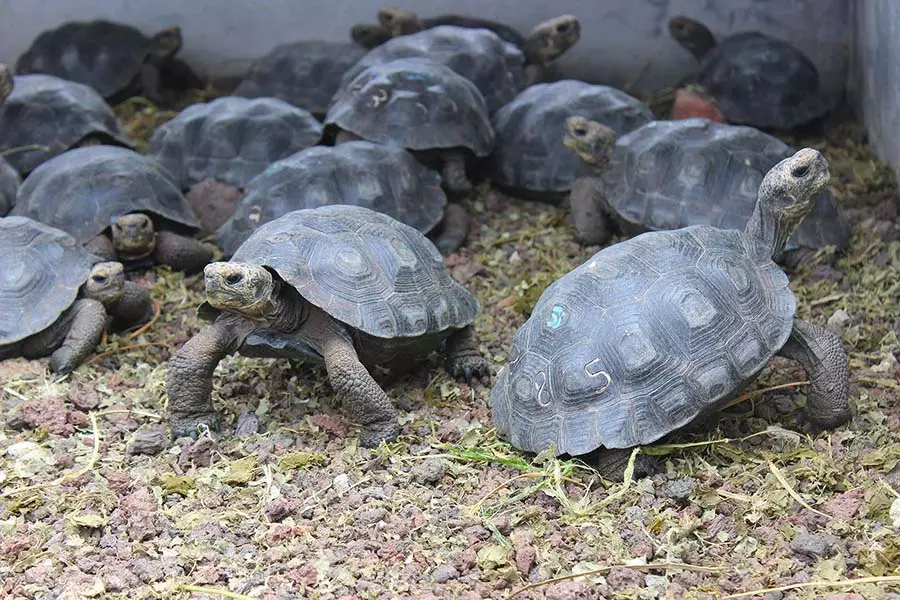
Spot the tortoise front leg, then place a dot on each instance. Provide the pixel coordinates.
(611, 463)
(102, 246)
(86, 322)
(362, 398)
(454, 229)
(133, 308)
(820, 352)
(181, 252)
(189, 381)
(150, 83)
(463, 360)
(592, 225)
(453, 174)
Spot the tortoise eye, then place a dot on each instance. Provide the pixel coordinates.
(233, 278)
(800, 171)
(580, 131)
(100, 279)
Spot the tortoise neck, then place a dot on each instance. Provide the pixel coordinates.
(287, 310)
(769, 229)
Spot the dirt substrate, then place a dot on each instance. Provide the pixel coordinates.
(98, 503)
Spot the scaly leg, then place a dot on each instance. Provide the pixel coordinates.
(102, 246)
(180, 252)
(84, 334)
(464, 361)
(453, 229)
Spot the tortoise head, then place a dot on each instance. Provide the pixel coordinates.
(590, 140)
(549, 40)
(247, 289)
(106, 282)
(6, 82)
(166, 43)
(398, 21)
(694, 36)
(133, 235)
(787, 195)
(369, 36)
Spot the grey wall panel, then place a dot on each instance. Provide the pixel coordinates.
(624, 41)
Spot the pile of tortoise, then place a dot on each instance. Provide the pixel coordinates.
(331, 179)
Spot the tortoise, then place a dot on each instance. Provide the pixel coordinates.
(671, 174)
(754, 78)
(120, 204)
(115, 59)
(418, 104)
(651, 333)
(394, 22)
(529, 159)
(347, 284)
(9, 186)
(306, 74)
(499, 69)
(386, 179)
(56, 297)
(232, 139)
(45, 116)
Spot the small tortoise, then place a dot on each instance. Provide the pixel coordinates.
(120, 204)
(45, 116)
(671, 174)
(394, 22)
(421, 105)
(344, 283)
(115, 59)
(755, 79)
(498, 69)
(232, 140)
(386, 179)
(306, 74)
(654, 332)
(529, 159)
(56, 297)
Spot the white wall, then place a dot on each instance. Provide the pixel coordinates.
(623, 41)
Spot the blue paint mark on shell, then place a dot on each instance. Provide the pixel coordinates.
(557, 316)
(416, 77)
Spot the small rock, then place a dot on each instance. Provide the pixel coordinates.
(196, 454)
(444, 573)
(151, 440)
(845, 596)
(430, 471)
(247, 425)
(784, 404)
(621, 578)
(83, 397)
(838, 320)
(656, 584)
(341, 483)
(370, 516)
(680, 490)
(845, 505)
(278, 509)
(811, 545)
(525, 559)
(565, 590)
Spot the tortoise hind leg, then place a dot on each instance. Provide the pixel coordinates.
(820, 352)
(454, 174)
(454, 229)
(180, 252)
(464, 361)
(611, 463)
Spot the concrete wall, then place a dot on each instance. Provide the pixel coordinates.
(874, 83)
(624, 42)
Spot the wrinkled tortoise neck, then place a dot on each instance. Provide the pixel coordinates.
(287, 310)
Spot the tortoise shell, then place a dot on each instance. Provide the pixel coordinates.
(386, 179)
(83, 191)
(415, 103)
(47, 111)
(306, 74)
(641, 339)
(232, 140)
(101, 54)
(496, 67)
(41, 272)
(762, 81)
(671, 174)
(363, 268)
(9, 186)
(529, 154)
